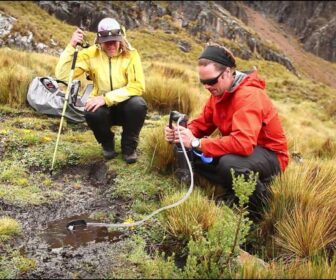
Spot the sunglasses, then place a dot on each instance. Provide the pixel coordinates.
(106, 33)
(212, 81)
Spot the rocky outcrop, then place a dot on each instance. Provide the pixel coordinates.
(314, 22)
(204, 20)
(25, 41)
(235, 8)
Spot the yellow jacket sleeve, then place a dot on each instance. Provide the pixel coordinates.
(63, 66)
(135, 84)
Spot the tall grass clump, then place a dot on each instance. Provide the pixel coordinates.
(166, 94)
(17, 71)
(301, 209)
(158, 151)
(172, 87)
(8, 228)
(317, 268)
(196, 215)
(171, 70)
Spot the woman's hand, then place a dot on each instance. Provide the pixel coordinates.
(77, 37)
(94, 103)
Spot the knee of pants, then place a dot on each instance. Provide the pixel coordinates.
(137, 105)
(99, 115)
(228, 162)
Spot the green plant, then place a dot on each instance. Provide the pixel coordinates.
(14, 265)
(243, 189)
(213, 233)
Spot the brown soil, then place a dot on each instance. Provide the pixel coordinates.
(59, 253)
(306, 63)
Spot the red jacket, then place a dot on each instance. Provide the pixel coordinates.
(246, 117)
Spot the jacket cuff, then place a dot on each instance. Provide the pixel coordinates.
(70, 49)
(107, 100)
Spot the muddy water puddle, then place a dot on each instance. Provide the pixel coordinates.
(57, 235)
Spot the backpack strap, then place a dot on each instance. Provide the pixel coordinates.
(62, 82)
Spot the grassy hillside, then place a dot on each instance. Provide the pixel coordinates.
(297, 236)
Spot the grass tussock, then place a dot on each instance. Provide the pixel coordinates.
(166, 94)
(158, 151)
(171, 70)
(17, 71)
(306, 233)
(8, 228)
(301, 211)
(297, 269)
(192, 217)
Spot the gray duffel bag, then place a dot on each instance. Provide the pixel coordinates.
(45, 96)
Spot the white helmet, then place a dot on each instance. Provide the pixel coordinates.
(109, 30)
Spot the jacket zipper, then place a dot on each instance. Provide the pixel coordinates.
(110, 68)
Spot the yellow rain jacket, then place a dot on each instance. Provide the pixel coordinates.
(117, 78)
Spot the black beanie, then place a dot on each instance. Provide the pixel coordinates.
(218, 55)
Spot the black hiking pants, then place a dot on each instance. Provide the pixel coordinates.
(262, 160)
(129, 114)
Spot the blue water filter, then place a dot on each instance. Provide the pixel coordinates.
(204, 159)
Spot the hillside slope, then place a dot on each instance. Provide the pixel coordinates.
(306, 63)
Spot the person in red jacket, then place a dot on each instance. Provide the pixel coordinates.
(252, 138)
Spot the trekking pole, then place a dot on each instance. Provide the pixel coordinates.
(65, 104)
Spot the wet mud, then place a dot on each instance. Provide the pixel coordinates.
(58, 252)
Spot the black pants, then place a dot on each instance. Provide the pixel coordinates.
(129, 114)
(262, 160)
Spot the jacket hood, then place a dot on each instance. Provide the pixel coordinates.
(250, 78)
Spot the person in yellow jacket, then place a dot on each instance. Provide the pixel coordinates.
(118, 83)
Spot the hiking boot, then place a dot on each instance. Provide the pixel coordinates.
(109, 154)
(108, 151)
(130, 158)
(183, 176)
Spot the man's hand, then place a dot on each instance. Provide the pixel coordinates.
(169, 134)
(186, 136)
(94, 103)
(77, 37)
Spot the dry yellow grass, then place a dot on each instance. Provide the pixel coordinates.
(297, 269)
(309, 129)
(18, 70)
(173, 87)
(8, 227)
(158, 151)
(195, 215)
(301, 211)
